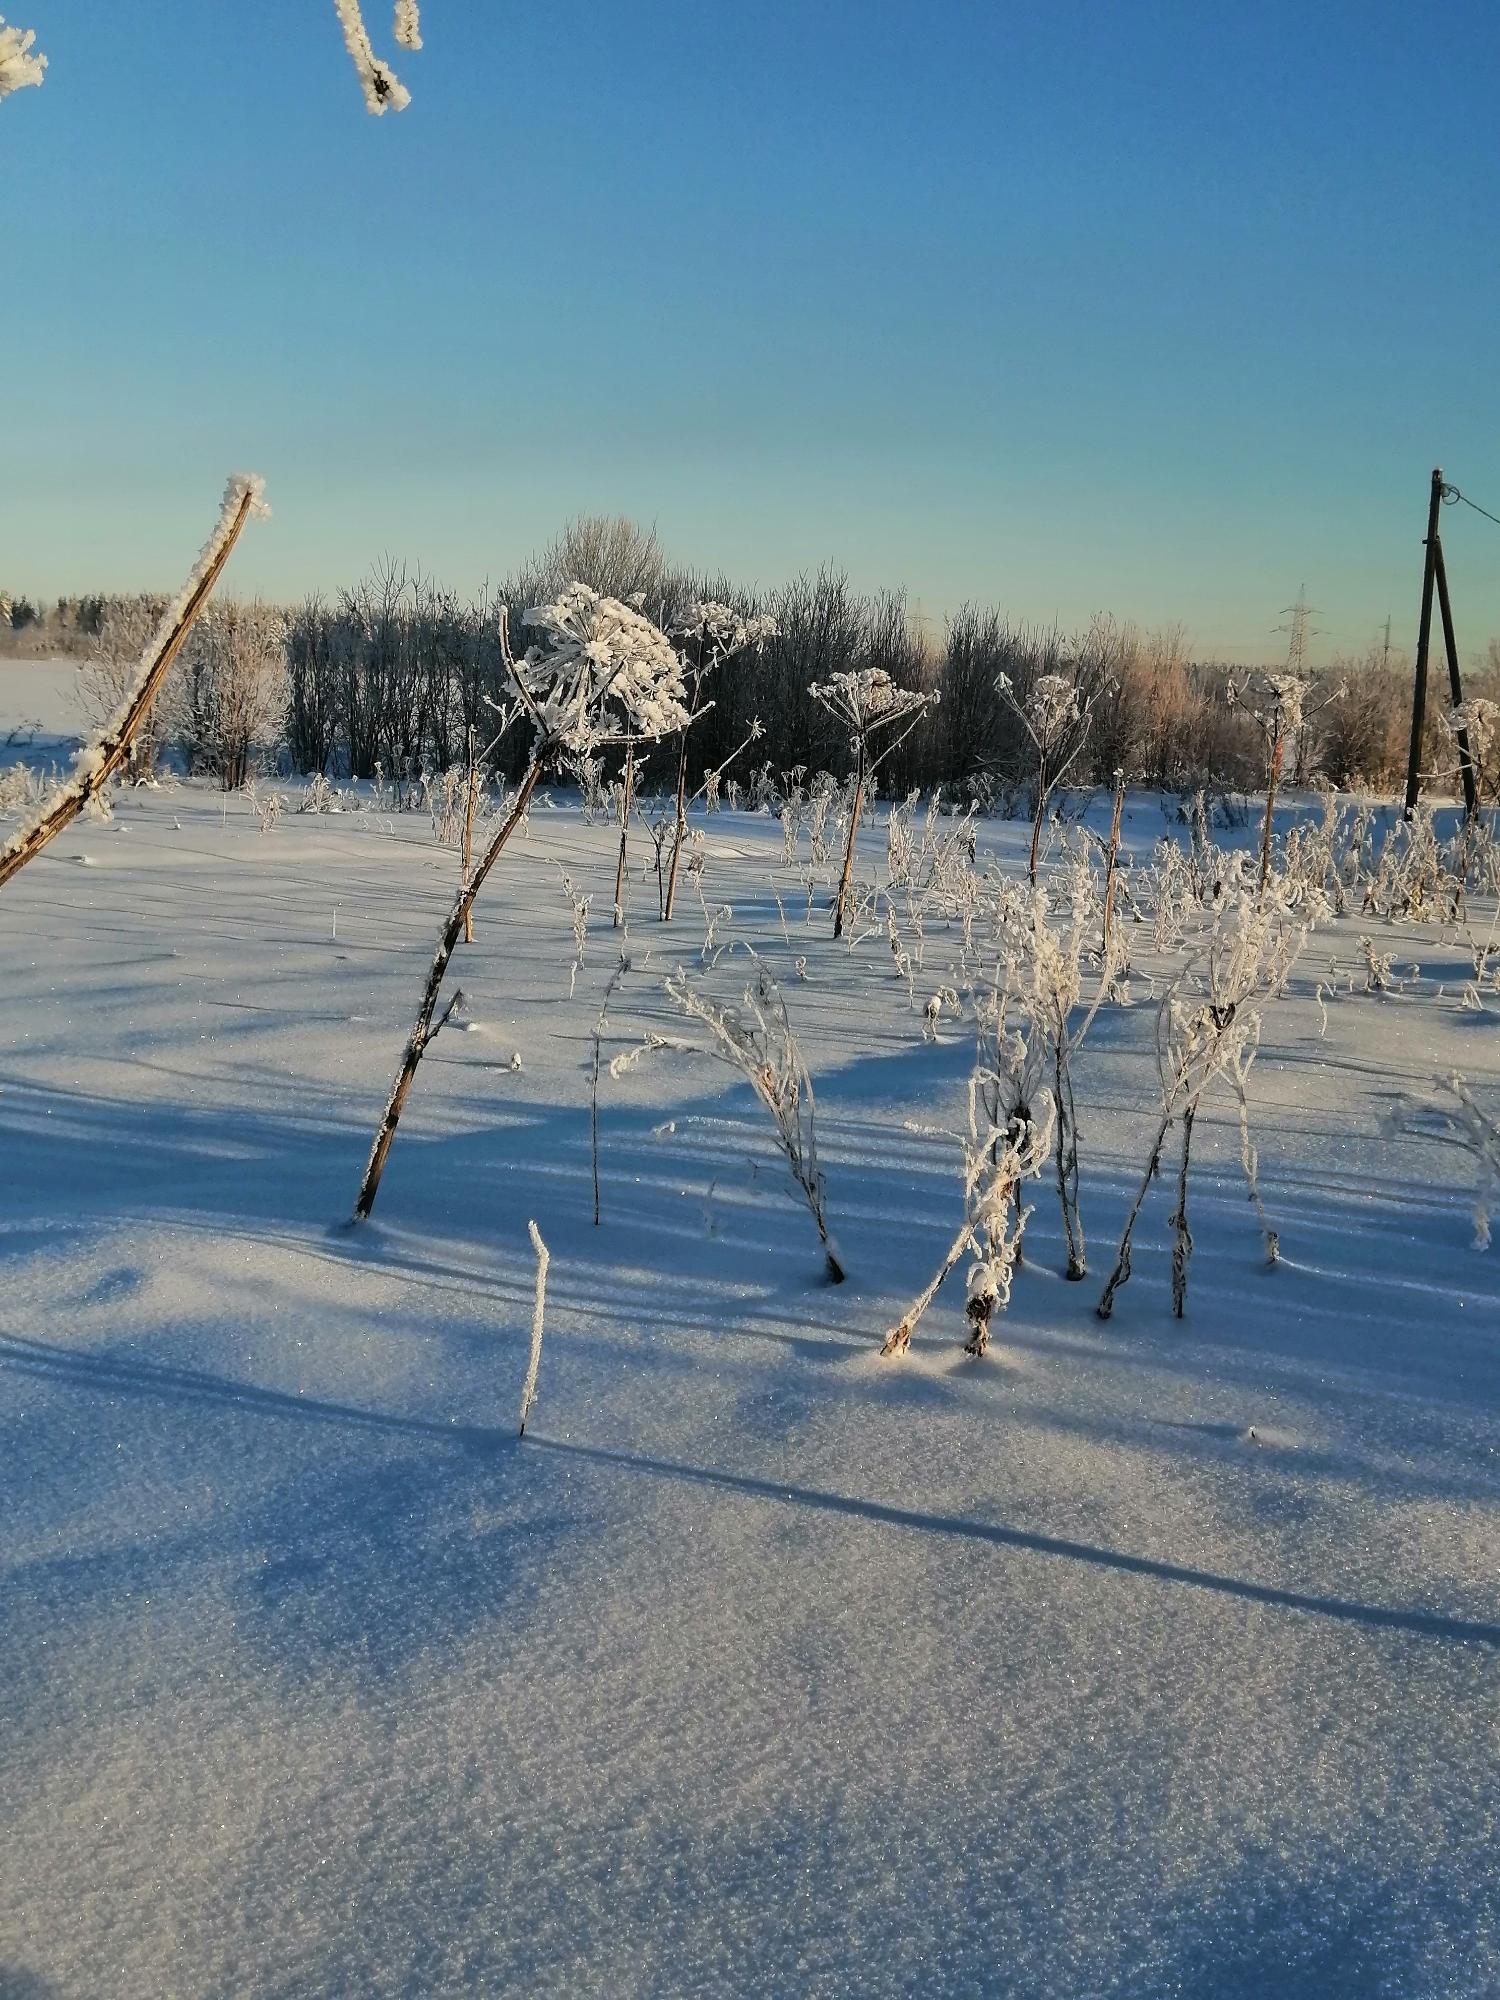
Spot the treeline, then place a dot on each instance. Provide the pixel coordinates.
(391, 676)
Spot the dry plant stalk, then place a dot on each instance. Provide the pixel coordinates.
(867, 703)
(599, 654)
(1111, 866)
(424, 1032)
(1278, 703)
(627, 799)
(758, 1041)
(1009, 1135)
(1051, 990)
(720, 632)
(1057, 714)
(471, 795)
(1208, 1025)
(99, 760)
(538, 1315)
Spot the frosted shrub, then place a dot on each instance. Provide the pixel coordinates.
(1208, 1027)
(98, 761)
(1412, 880)
(601, 674)
(756, 1038)
(870, 705)
(18, 65)
(232, 690)
(1010, 1115)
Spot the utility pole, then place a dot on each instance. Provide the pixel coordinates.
(1424, 641)
(1435, 576)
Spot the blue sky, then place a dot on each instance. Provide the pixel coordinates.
(1160, 309)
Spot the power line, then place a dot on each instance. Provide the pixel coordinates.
(1451, 493)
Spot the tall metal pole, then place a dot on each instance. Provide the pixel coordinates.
(1424, 640)
(1456, 686)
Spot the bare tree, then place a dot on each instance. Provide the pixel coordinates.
(233, 697)
(109, 672)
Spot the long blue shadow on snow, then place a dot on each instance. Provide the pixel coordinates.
(191, 1384)
(1430, 1624)
(112, 1376)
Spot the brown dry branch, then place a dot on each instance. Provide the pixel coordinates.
(600, 658)
(100, 759)
(757, 1039)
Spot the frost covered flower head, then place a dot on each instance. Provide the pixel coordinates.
(868, 699)
(603, 670)
(1277, 701)
(725, 627)
(18, 66)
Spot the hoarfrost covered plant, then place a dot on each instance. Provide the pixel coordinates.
(1010, 1131)
(602, 674)
(1279, 704)
(1208, 1026)
(98, 761)
(868, 703)
(383, 89)
(18, 66)
(715, 632)
(756, 1037)
(1056, 713)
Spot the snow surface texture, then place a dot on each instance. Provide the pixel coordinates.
(1146, 1660)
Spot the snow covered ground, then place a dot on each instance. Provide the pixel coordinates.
(762, 1665)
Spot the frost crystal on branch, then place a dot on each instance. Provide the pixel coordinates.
(1011, 1121)
(18, 66)
(867, 701)
(383, 89)
(244, 499)
(408, 25)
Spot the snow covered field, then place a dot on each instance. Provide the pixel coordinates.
(762, 1665)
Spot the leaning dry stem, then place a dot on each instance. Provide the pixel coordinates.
(104, 756)
(627, 796)
(471, 794)
(538, 1314)
(1111, 866)
(899, 1338)
(856, 809)
(423, 1030)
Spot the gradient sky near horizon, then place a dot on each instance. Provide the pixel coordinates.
(1158, 307)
